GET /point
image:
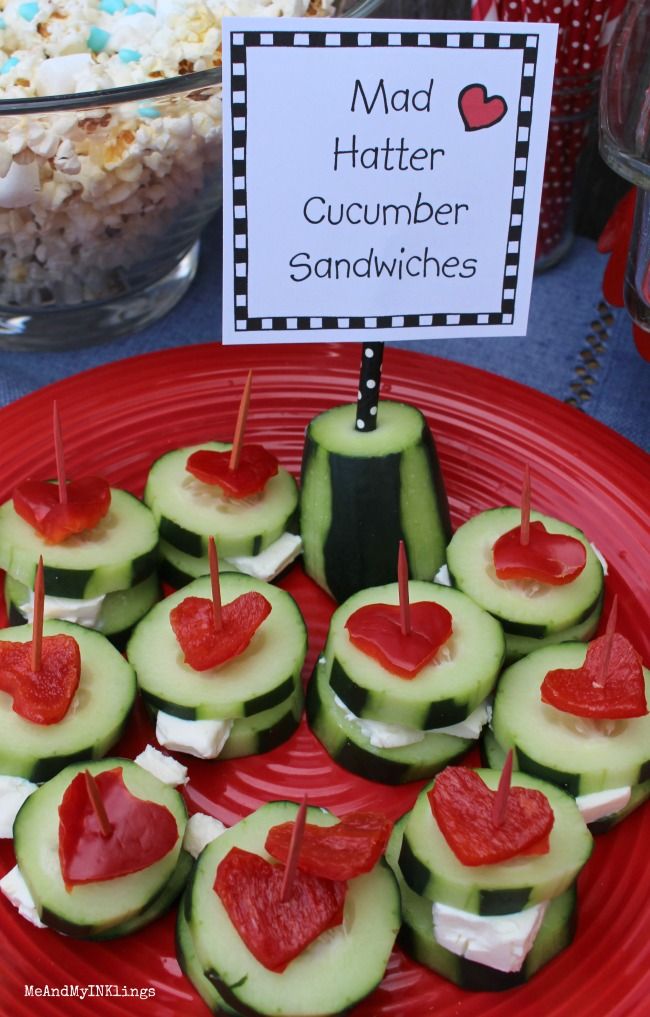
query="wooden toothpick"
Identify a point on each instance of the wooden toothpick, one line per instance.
(501, 798)
(524, 529)
(59, 454)
(291, 866)
(607, 647)
(94, 794)
(240, 426)
(403, 587)
(37, 618)
(215, 583)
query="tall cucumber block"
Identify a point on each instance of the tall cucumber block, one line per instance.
(363, 492)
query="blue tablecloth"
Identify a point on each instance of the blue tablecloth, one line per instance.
(577, 349)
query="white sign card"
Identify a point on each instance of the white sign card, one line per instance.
(382, 179)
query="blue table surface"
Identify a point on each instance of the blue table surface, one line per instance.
(577, 349)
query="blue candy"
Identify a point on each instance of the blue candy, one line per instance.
(97, 39)
(8, 64)
(3, 23)
(149, 111)
(139, 9)
(28, 11)
(112, 6)
(129, 56)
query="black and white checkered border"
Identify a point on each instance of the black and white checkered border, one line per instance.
(241, 41)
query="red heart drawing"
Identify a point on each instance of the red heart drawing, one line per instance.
(42, 696)
(202, 644)
(37, 502)
(250, 888)
(351, 847)
(142, 832)
(586, 692)
(552, 558)
(376, 629)
(256, 466)
(479, 111)
(462, 805)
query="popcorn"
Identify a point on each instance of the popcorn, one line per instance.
(87, 197)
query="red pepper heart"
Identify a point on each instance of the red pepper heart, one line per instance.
(586, 692)
(462, 805)
(553, 558)
(203, 645)
(340, 852)
(275, 932)
(478, 110)
(376, 629)
(142, 832)
(43, 696)
(37, 502)
(256, 466)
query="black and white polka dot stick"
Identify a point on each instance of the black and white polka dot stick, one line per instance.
(369, 382)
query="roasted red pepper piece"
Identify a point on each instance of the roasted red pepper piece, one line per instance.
(462, 805)
(203, 645)
(256, 466)
(141, 834)
(249, 888)
(376, 629)
(42, 696)
(553, 558)
(587, 692)
(341, 852)
(37, 502)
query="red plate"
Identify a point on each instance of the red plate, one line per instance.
(117, 419)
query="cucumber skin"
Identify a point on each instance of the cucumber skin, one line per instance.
(360, 545)
(253, 706)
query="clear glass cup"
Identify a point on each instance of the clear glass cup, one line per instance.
(625, 140)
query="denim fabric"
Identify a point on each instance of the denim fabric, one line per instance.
(573, 351)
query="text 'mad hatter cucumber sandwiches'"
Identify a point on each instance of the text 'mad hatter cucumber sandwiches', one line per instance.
(539, 576)
(315, 953)
(488, 892)
(402, 686)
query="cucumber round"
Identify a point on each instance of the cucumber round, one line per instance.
(334, 973)
(351, 749)
(178, 568)
(524, 607)
(575, 753)
(188, 511)
(520, 646)
(445, 691)
(261, 677)
(93, 910)
(94, 721)
(118, 612)
(361, 493)
(417, 938)
(116, 554)
(432, 870)
(191, 968)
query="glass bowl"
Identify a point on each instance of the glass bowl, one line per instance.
(103, 197)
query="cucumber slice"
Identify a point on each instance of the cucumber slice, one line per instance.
(432, 870)
(446, 691)
(261, 677)
(188, 511)
(92, 910)
(118, 612)
(92, 725)
(575, 753)
(351, 749)
(159, 904)
(334, 973)
(178, 569)
(364, 492)
(525, 608)
(520, 646)
(417, 939)
(191, 968)
(116, 554)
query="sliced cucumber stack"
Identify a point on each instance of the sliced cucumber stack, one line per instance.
(334, 973)
(580, 755)
(259, 689)
(417, 936)
(364, 492)
(532, 613)
(432, 870)
(107, 908)
(94, 721)
(189, 511)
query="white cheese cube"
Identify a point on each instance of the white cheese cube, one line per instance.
(200, 831)
(202, 738)
(499, 941)
(13, 792)
(81, 612)
(272, 560)
(603, 803)
(165, 768)
(15, 889)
